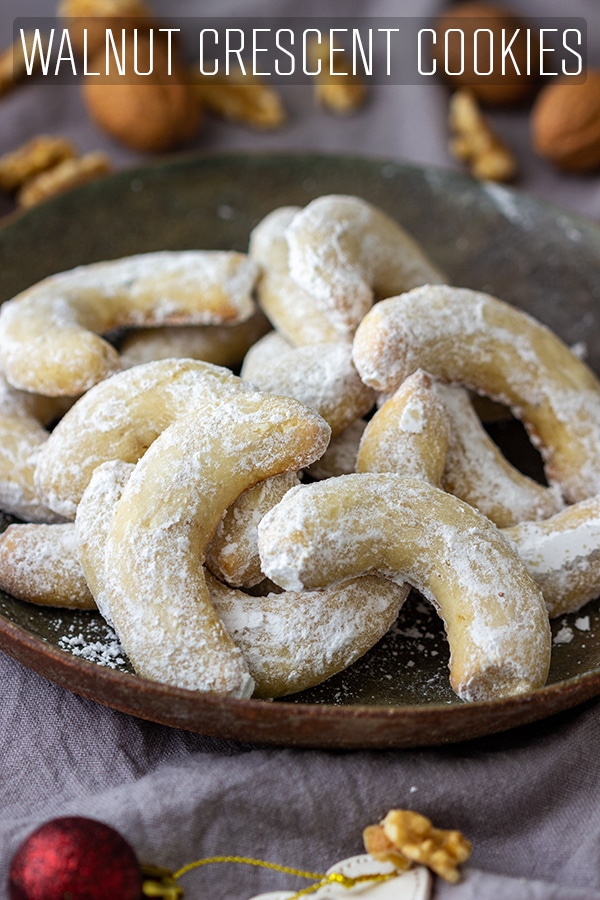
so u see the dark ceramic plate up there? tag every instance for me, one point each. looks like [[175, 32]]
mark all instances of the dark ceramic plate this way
[[533, 255]]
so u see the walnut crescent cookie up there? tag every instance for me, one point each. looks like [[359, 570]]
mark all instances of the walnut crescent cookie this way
[[409, 434], [290, 641], [232, 553], [345, 252], [170, 507], [222, 345], [404, 837], [323, 377], [23, 418], [40, 563], [496, 622], [470, 338], [477, 472], [290, 309], [50, 333], [294, 640], [562, 553], [430, 430], [119, 418], [262, 352]]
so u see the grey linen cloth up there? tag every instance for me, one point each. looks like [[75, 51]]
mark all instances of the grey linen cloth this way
[[528, 799]]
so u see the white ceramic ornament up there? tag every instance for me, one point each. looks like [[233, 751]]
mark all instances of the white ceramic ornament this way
[[415, 884]]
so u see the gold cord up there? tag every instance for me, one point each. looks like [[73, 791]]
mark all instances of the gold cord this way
[[162, 883]]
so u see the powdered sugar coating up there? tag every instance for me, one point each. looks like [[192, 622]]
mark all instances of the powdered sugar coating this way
[[473, 339], [22, 434], [223, 345], [232, 553], [341, 454], [49, 333], [477, 472], [409, 434], [120, 418], [497, 625], [294, 640], [289, 641], [40, 563], [343, 251], [562, 553], [169, 509], [292, 311], [323, 377]]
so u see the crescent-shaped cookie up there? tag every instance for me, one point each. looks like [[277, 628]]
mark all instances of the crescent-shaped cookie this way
[[431, 431], [290, 640], [119, 418], [50, 333], [23, 432], [170, 507], [496, 622], [470, 338], [322, 376], [291, 310], [344, 252]]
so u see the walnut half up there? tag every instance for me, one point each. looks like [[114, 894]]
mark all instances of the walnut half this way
[[404, 837]]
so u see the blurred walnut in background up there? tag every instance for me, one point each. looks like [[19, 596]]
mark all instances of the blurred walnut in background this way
[[461, 53]]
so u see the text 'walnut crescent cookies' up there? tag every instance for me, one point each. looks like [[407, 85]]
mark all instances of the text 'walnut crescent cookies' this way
[[49, 334], [473, 339], [119, 418], [290, 640], [344, 252], [497, 625], [170, 507]]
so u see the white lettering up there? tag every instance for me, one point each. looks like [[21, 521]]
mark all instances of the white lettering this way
[[285, 50], [577, 55], [234, 51], [214, 32], [545, 50], [388, 32], [423, 31]]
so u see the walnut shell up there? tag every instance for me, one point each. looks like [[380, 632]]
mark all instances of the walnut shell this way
[[153, 113], [565, 123], [494, 89]]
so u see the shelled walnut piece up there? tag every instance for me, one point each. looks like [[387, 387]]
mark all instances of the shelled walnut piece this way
[[32, 158], [239, 97], [404, 837], [337, 88], [475, 142], [45, 166], [68, 174]]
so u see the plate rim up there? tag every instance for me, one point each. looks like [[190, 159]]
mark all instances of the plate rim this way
[[21, 644]]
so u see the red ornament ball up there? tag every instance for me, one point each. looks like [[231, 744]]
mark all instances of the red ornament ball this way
[[74, 858]]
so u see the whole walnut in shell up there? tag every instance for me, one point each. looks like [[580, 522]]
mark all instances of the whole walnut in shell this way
[[565, 123], [494, 89], [151, 113]]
